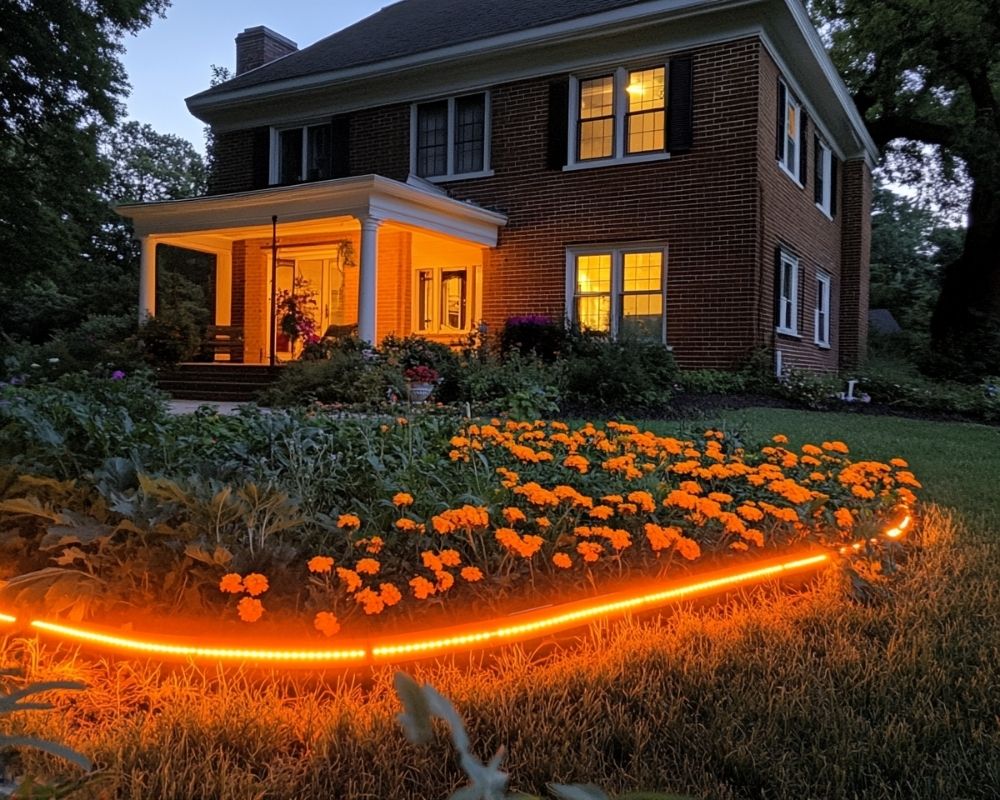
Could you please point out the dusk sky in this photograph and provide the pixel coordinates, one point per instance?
(172, 58)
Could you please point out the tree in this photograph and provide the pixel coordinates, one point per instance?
(61, 82)
(926, 76)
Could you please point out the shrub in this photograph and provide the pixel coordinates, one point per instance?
(345, 376)
(810, 389)
(533, 335)
(713, 381)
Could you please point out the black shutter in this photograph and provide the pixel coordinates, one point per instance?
(680, 106)
(834, 190)
(803, 148)
(558, 124)
(820, 178)
(340, 150)
(261, 158)
(779, 149)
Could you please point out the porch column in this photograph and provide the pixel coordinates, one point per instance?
(367, 287)
(147, 278)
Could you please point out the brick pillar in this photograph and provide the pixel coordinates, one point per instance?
(855, 251)
(258, 46)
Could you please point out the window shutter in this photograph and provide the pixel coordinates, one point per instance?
(820, 178)
(558, 124)
(804, 148)
(834, 165)
(261, 158)
(779, 150)
(680, 106)
(340, 151)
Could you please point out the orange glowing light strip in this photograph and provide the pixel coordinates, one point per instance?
(7, 618)
(426, 643)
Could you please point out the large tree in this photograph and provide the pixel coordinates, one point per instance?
(926, 76)
(61, 84)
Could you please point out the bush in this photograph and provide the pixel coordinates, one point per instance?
(713, 381)
(533, 335)
(346, 376)
(810, 389)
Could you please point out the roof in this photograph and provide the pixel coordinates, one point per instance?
(410, 27)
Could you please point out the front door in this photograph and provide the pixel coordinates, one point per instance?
(311, 289)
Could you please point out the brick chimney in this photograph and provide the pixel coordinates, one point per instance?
(258, 46)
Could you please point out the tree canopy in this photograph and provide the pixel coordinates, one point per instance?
(926, 76)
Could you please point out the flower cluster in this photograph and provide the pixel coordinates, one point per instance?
(249, 609)
(421, 374)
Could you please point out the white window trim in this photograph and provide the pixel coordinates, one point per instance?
(620, 75)
(788, 258)
(274, 168)
(451, 175)
(472, 300)
(823, 299)
(616, 251)
(826, 204)
(791, 99)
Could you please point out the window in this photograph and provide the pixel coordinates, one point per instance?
(303, 153)
(790, 132)
(822, 316)
(442, 300)
(622, 114)
(450, 138)
(788, 294)
(618, 291)
(824, 187)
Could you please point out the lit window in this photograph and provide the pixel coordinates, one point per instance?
(597, 118)
(303, 153)
(451, 137)
(824, 187)
(619, 292)
(788, 294)
(647, 116)
(790, 116)
(822, 317)
(442, 300)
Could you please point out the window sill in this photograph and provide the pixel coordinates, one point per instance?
(465, 176)
(823, 345)
(642, 158)
(824, 212)
(788, 334)
(790, 174)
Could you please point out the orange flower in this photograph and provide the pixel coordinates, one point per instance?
(450, 558)
(591, 551)
(688, 548)
(250, 609)
(543, 522)
(751, 513)
(720, 497)
(472, 574)
(402, 499)
(431, 560)
(562, 561)
(231, 583)
(349, 521)
(326, 623)
(601, 512)
(579, 463)
(407, 525)
(375, 545)
(350, 578)
(643, 500)
(389, 594)
(255, 584)
(691, 487)
(514, 515)
(445, 580)
(367, 566)
(320, 564)
(661, 538)
(845, 519)
(898, 462)
(780, 439)
(422, 588)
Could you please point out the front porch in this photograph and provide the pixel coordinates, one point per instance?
(369, 254)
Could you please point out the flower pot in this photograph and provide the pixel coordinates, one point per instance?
(419, 391)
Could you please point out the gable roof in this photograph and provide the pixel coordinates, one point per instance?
(410, 27)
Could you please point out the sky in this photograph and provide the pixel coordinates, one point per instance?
(172, 59)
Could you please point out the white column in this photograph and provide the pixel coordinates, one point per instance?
(367, 283)
(147, 278)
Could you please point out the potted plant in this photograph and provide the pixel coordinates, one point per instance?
(420, 382)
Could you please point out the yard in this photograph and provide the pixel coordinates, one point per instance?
(772, 692)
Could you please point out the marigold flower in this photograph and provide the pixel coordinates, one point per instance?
(844, 518)
(250, 609)
(751, 513)
(371, 601)
(562, 560)
(471, 574)
(255, 584)
(543, 522)
(754, 536)
(431, 560)
(320, 564)
(899, 462)
(375, 545)
(349, 521)
(514, 515)
(643, 500)
(691, 487)
(591, 551)
(350, 578)
(326, 623)
(402, 499)
(862, 492)
(812, 450)
(389, 594)
(688, 548)
(601, 512)
(231, 583)
(720, 497)
(422, 588)
(367, 566)
(780, 439)
(445, 580)
(578, 463)
(450, 558)
(406, 525)
(740, 547)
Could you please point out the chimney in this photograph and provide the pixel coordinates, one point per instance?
(258, 46)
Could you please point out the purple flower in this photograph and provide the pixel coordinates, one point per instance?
(117, 375)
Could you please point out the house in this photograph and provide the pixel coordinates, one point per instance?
(689, 171)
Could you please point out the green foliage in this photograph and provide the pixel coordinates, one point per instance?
(537, 336)
(810, 389)
(712, 381)
(344, 376)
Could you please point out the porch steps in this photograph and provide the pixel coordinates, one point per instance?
(218, 381)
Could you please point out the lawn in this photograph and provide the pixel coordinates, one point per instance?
(769, 694)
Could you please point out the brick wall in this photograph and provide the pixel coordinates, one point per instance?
(232, 162)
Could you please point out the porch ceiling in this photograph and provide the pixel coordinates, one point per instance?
(321, 206)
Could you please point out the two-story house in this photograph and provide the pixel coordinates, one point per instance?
(689, 171)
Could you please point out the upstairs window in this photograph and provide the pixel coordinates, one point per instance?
(825, 187)
(646, 117)
(451, 137)
(302, 153)
(791, 142)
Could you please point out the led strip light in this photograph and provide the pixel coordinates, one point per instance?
(456, 639)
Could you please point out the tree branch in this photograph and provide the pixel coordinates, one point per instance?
(886, 128)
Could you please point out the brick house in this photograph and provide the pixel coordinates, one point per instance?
(691, 171)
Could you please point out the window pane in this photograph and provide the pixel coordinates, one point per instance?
(594, 313)
(646, 132)
(425, 300)
(432, 139)
(593, 274)
(597, 124)
(645, 90)
(597, 97)
(597, 139)
(792, 138)
(453, 300)
(320, 153)
(290, 156)
(470, 132)
(642, 317)
(642, 272)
